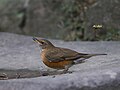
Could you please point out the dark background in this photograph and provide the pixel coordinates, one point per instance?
(62, 19)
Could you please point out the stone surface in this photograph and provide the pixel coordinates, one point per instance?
(100, 72)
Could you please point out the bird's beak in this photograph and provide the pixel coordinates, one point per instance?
(36, 40)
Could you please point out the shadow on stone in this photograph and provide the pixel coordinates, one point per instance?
(25, 73)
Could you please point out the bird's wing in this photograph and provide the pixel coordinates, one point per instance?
(61, 54)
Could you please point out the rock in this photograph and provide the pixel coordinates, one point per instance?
(18, 52)
(39, 18)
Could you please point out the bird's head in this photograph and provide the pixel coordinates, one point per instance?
(43, 43)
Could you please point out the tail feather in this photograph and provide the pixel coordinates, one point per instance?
(89, 55)
(83, 57)
(96, 54)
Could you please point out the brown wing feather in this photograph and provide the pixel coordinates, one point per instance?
(60, 54)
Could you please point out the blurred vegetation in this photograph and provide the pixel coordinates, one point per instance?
(71, 17)
(67, 16)
(112, 34)
(73, 21)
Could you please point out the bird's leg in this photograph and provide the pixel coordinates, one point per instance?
(66, 68)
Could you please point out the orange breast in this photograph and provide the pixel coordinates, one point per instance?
(55, 65)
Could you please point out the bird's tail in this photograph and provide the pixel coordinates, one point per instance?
(89, 55)
(96, 54)
(83, 56)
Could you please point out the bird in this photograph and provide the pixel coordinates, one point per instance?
(58, 57)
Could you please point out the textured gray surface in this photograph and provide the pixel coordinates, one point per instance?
(100, 72)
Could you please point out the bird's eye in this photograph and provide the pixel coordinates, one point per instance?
(42, 42)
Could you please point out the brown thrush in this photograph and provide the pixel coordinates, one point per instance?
(60, 58)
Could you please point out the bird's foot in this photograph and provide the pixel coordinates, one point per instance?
(66, 71)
